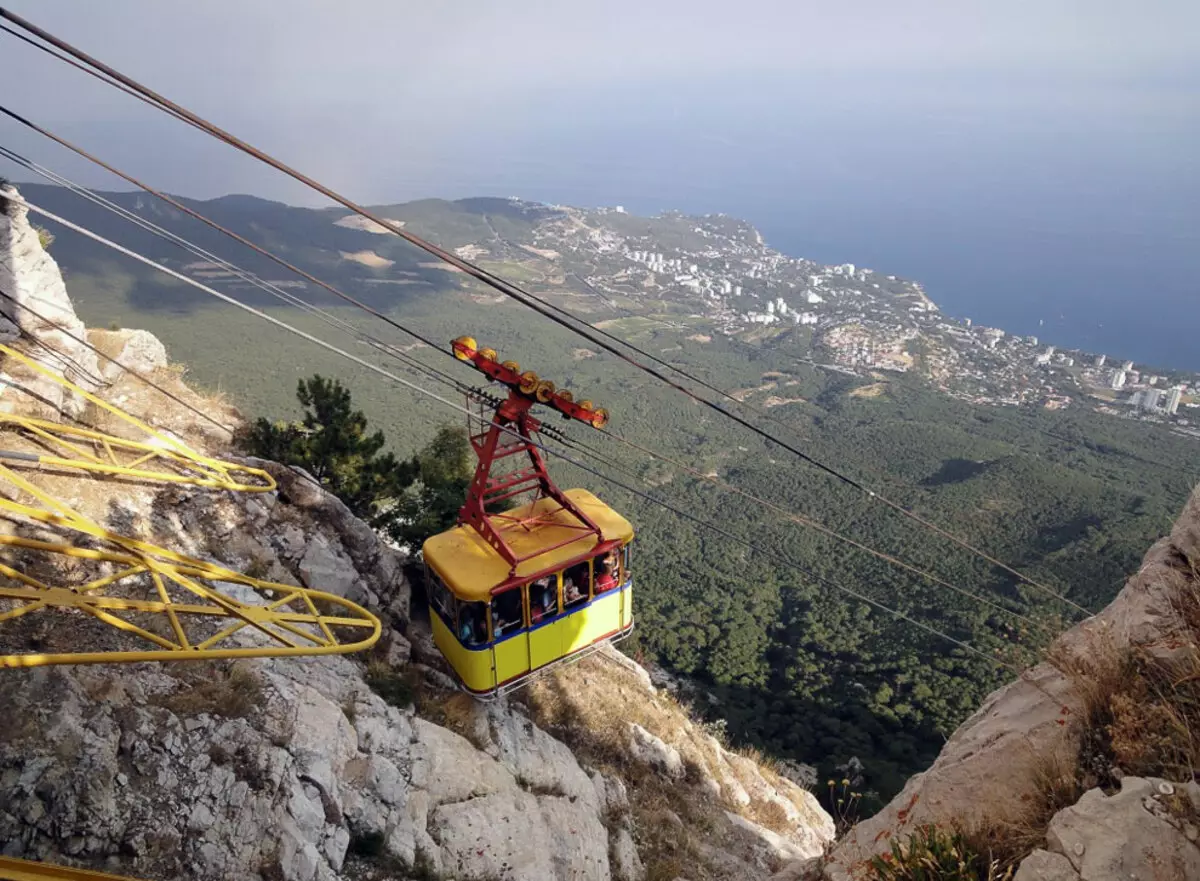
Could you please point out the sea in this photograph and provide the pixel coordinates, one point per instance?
(1072, 215)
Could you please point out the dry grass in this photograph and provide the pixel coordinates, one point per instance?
(232, 691)
(589, 706)
(1140, 717)
(395, 687)
(768, 814)
(458, 712)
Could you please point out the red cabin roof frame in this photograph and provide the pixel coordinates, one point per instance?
(512, 432)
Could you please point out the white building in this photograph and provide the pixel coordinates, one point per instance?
(1118, 379)
(1099, 362)
(1127, 366)
(1173, 398)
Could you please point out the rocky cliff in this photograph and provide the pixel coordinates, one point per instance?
(1049, 765)
(334, 767)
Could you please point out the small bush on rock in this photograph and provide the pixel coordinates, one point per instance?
(931, 854)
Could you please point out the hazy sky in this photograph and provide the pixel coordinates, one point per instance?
(1035, 163)
(391, 99)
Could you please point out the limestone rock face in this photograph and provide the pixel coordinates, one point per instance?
(651, 750)
(288, 786)
(138, 351)
(1138, 834)
(989, 764)
(37, 304)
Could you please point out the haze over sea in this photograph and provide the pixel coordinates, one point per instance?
(1076, 220)
(1035, 164)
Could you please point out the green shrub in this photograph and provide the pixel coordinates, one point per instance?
(931, 854)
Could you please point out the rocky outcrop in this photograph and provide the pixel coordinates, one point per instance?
(1145, 832)
(130, 351)
(320, 769)
(991, 766)
(34, 301)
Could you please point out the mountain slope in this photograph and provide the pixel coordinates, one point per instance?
(318, 769)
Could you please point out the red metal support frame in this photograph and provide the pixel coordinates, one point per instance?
(487, 489)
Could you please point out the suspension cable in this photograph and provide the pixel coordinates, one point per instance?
(135, 373)
(549, 450)
(511, 290)
(273, 289)
(462, 387)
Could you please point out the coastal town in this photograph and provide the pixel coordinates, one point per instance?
(715, 275)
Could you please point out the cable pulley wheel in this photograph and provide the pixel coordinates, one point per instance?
(544, 391)
(466, 342)
(529, 382)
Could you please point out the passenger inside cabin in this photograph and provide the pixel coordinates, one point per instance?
(606, 572)
(472, 630)
(575, 585)
(506, 613)
(542, 600)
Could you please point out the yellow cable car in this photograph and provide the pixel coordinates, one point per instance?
(515, 591)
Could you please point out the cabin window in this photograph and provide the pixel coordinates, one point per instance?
(439, 596)
(608, 571)
(472, 624)
(543, 599)
(577, 582)
(508, 613)
(626, 561)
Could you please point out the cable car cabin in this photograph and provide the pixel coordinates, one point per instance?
(532, 575)
(497, 627)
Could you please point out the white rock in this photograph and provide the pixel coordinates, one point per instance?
(450, 769)
(138, 351)
(626, 864)
(651, 750)
(537, 760)
(1115, 836)
(325, 567)
(521, 837)
(773, 843)
(1041, 865)
(32, 279)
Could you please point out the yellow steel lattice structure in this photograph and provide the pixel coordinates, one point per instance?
(12, 869)
(159, 457)
(156, 604)
(167, 601)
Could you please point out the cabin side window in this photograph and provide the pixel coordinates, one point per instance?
(577, 584)
(543, 599)
(626, 561)
(508, 612)
(608, 571)
(440, 597)
(472, 624)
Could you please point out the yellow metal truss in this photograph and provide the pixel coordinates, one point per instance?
(159, 458)
(179, 612)
(168, 602)
(12, 869)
